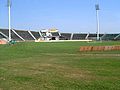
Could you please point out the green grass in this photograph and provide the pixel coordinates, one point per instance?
(58, 66)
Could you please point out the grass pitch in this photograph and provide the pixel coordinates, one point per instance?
(58, 66)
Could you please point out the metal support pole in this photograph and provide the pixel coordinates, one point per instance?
(9, 19)
(98, 21)
(98, 25)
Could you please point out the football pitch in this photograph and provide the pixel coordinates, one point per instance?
(58, 66)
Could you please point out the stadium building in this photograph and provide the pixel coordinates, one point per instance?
(53, 34)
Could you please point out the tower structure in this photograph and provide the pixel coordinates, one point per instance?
(98, 21)
(9, 18)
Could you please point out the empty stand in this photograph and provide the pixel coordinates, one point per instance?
(65, 36)
(109, 36)
(36, 34)
(78, 36)
(1, 36)
(117, 37)
(5, 31)
(55, 34)
(24, 34)
(15, 37)
(92, 36)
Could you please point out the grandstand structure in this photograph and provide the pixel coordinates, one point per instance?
(27, 35)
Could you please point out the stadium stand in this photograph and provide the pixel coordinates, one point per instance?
(55, 33)
(101, 35)
(36, 34)
(92, 36)
(109, 37)
(117, 37)
(15, 37)
(1, 36)
(78, 36)
(65, 36)
(24, 34)
(5, 31)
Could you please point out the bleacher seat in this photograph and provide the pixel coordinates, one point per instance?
(92, 36)
(55, 34)
(15, 37)
(36, 34)
(1, 36)
(24, 34)
(65, 36)
(78, 36)
(109, 36)
(118, 38)
(5, 31)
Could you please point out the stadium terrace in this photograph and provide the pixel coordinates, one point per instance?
(53, 34)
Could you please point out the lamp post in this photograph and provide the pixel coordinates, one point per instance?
(9, 18)
(98, 21)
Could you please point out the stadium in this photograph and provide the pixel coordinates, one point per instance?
(49, 59)
(55, 35)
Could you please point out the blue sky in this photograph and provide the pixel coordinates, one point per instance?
(65, 15)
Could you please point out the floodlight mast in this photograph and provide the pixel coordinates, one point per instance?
(98, 21)
(9, 18)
